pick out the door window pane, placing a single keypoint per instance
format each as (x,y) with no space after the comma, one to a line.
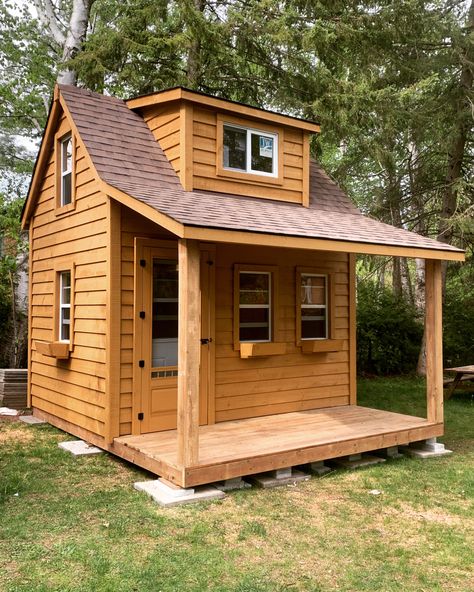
(165,313)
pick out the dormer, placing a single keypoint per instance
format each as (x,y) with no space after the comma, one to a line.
(220,145)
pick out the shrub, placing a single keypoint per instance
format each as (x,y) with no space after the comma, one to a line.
(388,332)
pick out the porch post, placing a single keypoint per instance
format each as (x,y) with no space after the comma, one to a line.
(189,351)
(434,341)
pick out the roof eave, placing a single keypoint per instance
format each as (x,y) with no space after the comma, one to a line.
(319,244)
(180,93)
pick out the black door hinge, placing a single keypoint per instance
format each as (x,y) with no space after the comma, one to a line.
(141,314)
(142,262)
(141,363)
(140,417)
(209,262)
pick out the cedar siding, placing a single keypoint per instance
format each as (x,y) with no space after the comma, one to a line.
(281,383)
(72,389)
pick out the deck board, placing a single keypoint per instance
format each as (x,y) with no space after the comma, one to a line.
(241,443)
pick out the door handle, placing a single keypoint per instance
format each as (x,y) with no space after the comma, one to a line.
(206,340)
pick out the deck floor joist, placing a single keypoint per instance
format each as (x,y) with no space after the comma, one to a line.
(248,446)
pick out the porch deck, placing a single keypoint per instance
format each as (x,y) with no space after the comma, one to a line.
(249,446)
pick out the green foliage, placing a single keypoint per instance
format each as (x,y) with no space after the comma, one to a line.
(388,332)
(458,317)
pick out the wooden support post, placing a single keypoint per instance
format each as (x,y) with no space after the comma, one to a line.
(113,315)
(189,351)
(434,341)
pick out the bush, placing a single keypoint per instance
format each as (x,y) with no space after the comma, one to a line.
(458,317)
(388,332)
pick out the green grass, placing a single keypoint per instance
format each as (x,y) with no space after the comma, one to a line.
(77,525)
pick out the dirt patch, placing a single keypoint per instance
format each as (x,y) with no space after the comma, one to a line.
(434,516)
(16,434)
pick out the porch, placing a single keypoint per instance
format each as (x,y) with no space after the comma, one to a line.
(248,446)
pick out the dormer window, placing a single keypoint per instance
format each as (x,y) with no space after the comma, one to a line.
(66,170)
(250,150)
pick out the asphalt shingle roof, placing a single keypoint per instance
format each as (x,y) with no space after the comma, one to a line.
(127,157)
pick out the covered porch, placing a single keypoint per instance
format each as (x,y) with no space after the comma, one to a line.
(248,446)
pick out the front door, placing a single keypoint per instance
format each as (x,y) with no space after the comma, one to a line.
(156,338)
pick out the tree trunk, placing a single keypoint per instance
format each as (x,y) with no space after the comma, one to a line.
(70,40)
(194,71)
(456,152)
(74,39)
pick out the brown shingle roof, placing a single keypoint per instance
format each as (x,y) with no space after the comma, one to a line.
(128,158)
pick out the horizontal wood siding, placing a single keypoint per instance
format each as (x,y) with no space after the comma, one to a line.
(132,225)
(281,383)
(205,160)
(73,389)
(164,123)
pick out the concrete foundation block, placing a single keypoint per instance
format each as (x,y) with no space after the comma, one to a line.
(232,484)
(79,448)
(8,414)
(356,461)
(168,496)
(269,480)
(390,453)
(319,469)
(32,420)
(426,449)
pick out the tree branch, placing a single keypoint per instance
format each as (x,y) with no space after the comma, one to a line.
(48,18)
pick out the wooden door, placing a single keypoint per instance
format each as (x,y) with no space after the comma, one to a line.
(156,338)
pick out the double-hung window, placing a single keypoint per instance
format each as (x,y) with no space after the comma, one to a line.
(250,150)
(313,306)
(66,170)
(255,306)
(64,331)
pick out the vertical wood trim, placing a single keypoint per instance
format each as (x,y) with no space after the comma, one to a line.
(113,312)
(209,309)
(306,172)
(30,308)
(138,331)
(352,331)
(434,341)
(186,146)
(189,350)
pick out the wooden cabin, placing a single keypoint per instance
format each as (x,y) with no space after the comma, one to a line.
(192,289)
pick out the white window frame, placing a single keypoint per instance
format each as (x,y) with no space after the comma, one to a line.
(64,306)
(266,306)
(315,306)
(63,173)
(248,148)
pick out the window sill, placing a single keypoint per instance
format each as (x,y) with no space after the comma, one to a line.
(252,177)
(61,210)
(252,350)
(321,346)
(54,349)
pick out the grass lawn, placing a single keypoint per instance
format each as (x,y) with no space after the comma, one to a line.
(71,524)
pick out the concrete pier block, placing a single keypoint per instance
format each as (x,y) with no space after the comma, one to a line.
(278,478)
(390,453)
(79,448)
(318,468)
(356,461)
(167,496)
(232,484)
(32,420)
(429,448)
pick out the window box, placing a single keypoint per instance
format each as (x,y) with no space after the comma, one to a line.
(321,346)
(252,350)
(54,349)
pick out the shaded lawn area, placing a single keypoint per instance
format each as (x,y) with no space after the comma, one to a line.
(77,525)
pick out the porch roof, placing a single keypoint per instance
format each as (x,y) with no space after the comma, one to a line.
(128,159)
